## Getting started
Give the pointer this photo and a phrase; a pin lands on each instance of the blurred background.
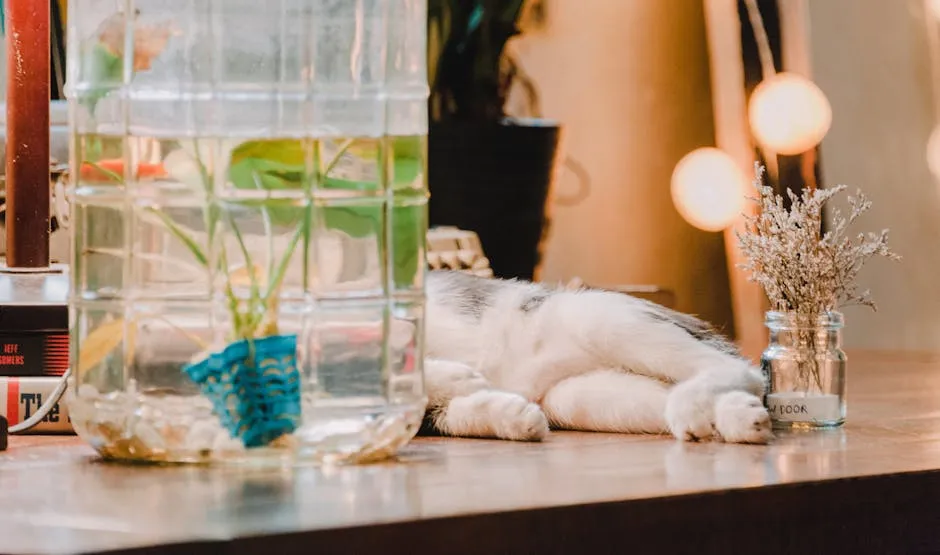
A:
(639, 84)
(613, 98)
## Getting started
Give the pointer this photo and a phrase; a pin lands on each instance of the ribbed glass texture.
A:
(247, 174)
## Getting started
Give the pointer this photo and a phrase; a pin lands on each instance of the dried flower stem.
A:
(801, 269)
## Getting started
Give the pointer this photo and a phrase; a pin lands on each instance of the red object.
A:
(27, 158)
(56, 359)
(13, 400)
(111, 170)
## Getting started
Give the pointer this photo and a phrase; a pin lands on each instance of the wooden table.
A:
(872, 487)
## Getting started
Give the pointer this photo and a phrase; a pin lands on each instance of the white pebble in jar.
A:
(202, 435)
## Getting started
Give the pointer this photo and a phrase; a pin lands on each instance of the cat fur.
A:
(511, 359)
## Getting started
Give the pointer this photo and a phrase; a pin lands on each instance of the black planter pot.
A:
(495, 180)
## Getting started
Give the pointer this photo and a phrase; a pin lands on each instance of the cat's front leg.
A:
(461, 402)
(705, 408)
(445, 380)
(721, 401)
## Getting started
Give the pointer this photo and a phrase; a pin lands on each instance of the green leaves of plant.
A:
(281, 164)
(466, 43)
(101, 67)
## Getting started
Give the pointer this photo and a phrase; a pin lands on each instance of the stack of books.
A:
(34, 349)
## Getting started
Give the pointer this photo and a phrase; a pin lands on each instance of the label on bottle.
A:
(802, 407)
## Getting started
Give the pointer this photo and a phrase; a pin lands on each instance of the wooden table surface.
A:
(871, 487)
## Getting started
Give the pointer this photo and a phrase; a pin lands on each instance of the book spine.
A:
(20, 398)
(34, 354)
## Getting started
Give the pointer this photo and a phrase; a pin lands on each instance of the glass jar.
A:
(248, 209)
(805, 367)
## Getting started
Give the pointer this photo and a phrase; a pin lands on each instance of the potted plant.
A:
(488, 172)
(808, 271)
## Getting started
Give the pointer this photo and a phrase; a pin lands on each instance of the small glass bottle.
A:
(805, 367)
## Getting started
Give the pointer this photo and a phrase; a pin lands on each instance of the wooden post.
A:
(733, 136)
(27, 155)
(797, 58)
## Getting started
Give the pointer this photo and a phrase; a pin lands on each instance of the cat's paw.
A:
(741, 418)
(494, 414)
(515, 418)
(464, 382)
(690, 411)
(445, 380)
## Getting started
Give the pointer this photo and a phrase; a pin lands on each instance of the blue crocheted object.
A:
(254, 388)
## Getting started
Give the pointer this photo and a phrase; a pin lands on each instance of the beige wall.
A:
(630, 81)
(871, 59)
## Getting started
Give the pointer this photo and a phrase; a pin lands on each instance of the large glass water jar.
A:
(248, 210)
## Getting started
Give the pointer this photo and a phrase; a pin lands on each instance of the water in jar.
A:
(243, 171)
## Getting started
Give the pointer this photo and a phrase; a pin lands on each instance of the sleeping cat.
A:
(508, 359)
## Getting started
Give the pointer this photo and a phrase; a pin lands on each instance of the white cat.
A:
(507, 359)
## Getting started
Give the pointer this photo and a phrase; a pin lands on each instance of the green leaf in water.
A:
(284, 152)
(267, 175)
(409, 211)
(279, 165)
(409, 229)
(101, 67)
(183, 236)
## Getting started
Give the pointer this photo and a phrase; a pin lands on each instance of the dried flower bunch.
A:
(801, 269)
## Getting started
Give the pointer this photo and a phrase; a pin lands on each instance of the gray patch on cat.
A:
(533, 301)
(467, 294)
(698, 329)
